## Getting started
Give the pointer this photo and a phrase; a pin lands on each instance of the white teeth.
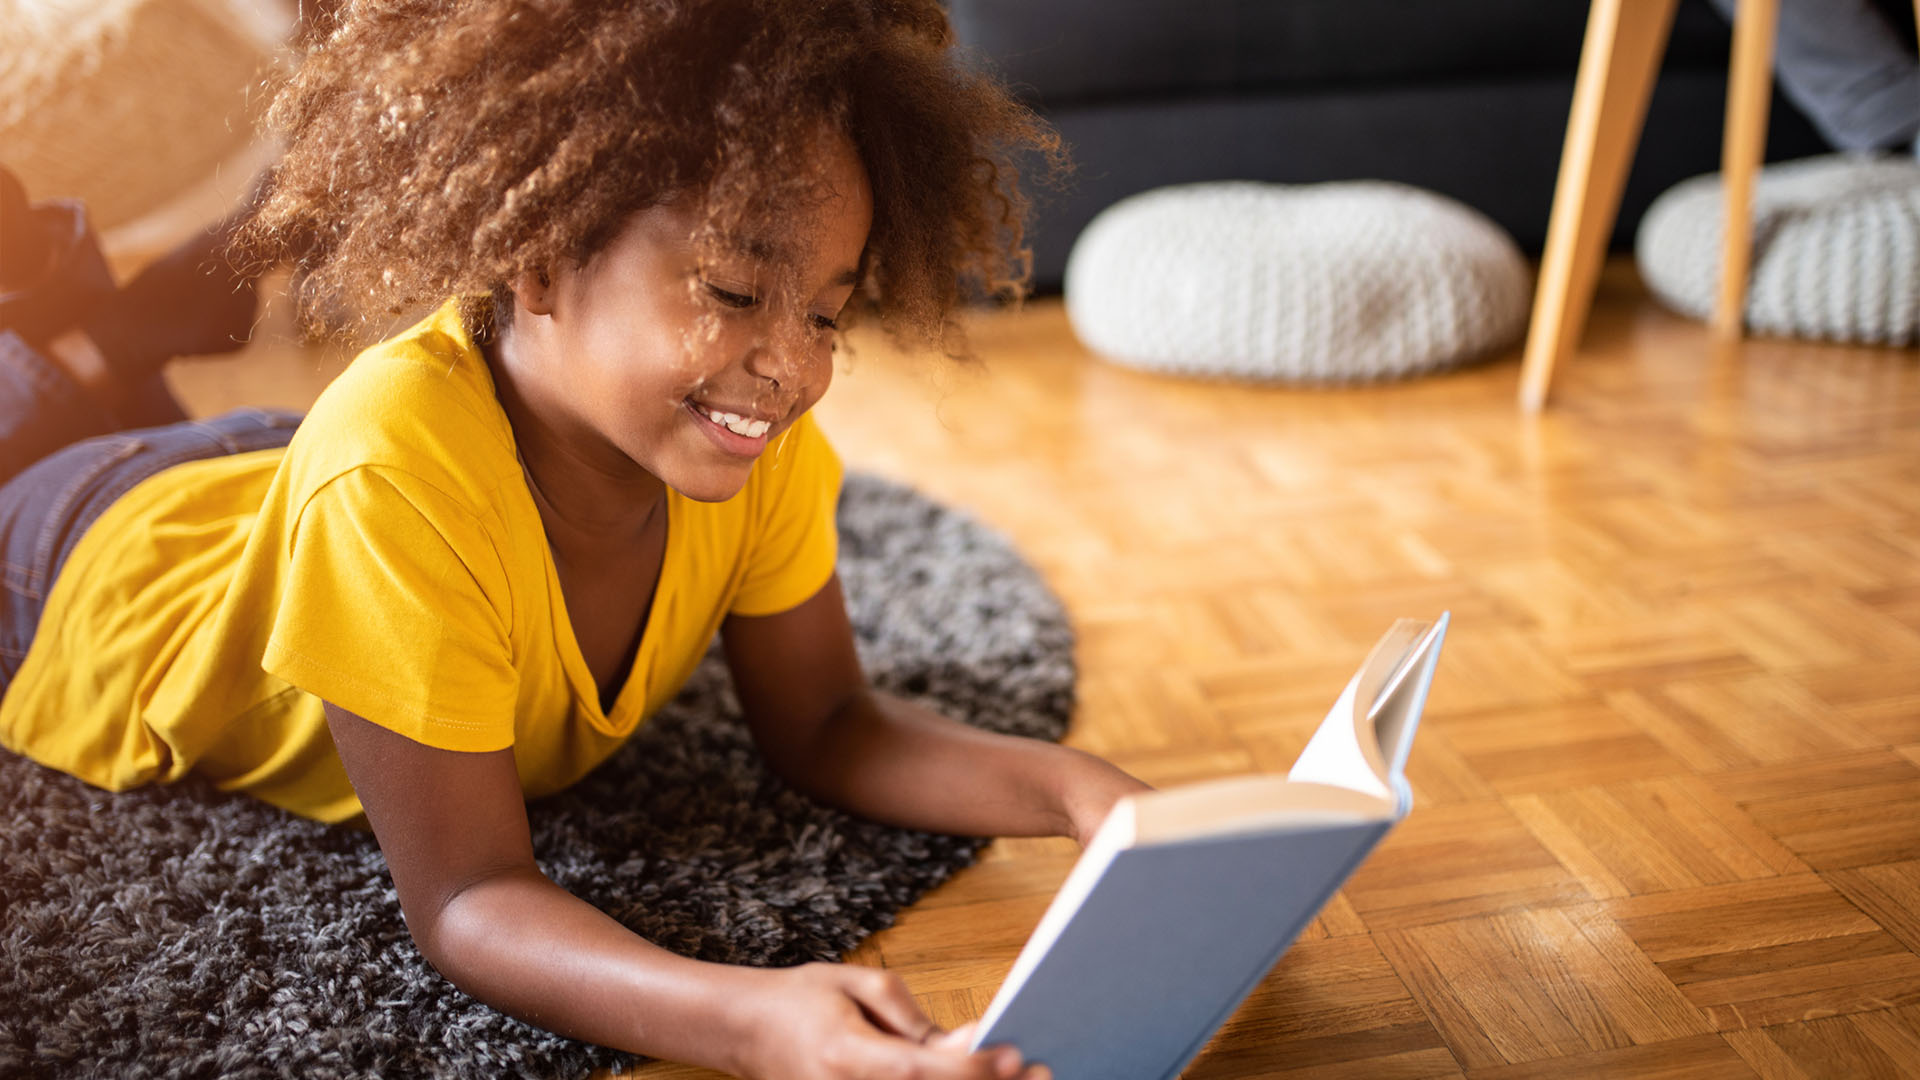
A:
(739, 425)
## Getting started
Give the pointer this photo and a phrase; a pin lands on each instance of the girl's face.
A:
(692, 370)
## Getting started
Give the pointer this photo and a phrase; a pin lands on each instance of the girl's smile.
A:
(741, 432)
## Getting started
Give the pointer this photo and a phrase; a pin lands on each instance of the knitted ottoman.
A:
(1836, 249)
(1321, 282)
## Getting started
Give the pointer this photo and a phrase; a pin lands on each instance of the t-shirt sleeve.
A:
(395, 607)
(795, 542)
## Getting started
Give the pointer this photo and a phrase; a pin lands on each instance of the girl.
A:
(504, 537)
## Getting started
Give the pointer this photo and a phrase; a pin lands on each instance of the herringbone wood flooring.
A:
(1667, 816)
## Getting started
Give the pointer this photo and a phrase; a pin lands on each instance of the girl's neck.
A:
(587, 491)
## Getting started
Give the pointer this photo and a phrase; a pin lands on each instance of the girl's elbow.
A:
(454, 928)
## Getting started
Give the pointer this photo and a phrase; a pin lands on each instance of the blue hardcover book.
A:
(1187, 897)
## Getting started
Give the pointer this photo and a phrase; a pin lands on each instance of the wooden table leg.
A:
(1749, 93)
(1624, 44)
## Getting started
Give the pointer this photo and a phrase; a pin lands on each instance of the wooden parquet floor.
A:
(1667, 817)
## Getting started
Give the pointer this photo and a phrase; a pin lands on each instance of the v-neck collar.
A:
(631, 699)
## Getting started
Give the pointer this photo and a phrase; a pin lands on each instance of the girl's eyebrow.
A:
(764, 249)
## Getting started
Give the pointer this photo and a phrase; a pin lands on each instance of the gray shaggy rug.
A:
(177, 932)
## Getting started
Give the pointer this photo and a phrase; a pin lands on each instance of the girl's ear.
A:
(532, 292)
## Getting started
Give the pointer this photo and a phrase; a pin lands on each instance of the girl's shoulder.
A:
(419, 404)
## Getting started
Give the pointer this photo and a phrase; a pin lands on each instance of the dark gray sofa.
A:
(1465, 97)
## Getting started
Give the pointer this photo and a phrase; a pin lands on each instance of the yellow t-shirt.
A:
(391, 561)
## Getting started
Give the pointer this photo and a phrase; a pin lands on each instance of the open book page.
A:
(1337, 753)
(1363, 742)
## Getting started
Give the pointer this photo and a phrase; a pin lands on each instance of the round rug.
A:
(1337, 282)
(178, 932)
(1836, 249)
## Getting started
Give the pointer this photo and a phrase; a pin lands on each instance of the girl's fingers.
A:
(1007, 1061)
(888, 1004)
(888, 1056)
(936, 1054)
(957, 1040)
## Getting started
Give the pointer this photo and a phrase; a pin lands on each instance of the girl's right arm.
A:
(453, 828)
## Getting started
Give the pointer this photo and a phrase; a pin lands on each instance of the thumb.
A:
(956, 1041)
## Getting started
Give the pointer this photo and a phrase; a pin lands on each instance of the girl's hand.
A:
(845, 1022)
(1088, 794)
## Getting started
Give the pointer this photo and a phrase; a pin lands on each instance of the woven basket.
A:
(128, 103)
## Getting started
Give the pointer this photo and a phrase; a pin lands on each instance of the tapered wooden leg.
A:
(1749, 92)
(1618, 63)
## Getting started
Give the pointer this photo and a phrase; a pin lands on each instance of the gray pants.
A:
(1844, 65)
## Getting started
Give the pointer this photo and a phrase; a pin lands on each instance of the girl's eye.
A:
(729, 297)
(744, 300)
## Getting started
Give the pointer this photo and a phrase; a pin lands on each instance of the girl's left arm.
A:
(834, 738)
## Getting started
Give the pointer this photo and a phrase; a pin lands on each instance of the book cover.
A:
(1188, 896)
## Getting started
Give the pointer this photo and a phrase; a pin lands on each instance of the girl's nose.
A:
(785, 360)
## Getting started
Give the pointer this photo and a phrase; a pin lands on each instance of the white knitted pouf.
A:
(1324, 282)
(1836, 249)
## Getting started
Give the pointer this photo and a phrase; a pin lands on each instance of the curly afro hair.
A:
(443, 148)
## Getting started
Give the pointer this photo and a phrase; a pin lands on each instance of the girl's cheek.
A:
(819, 373)
(702, 350)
